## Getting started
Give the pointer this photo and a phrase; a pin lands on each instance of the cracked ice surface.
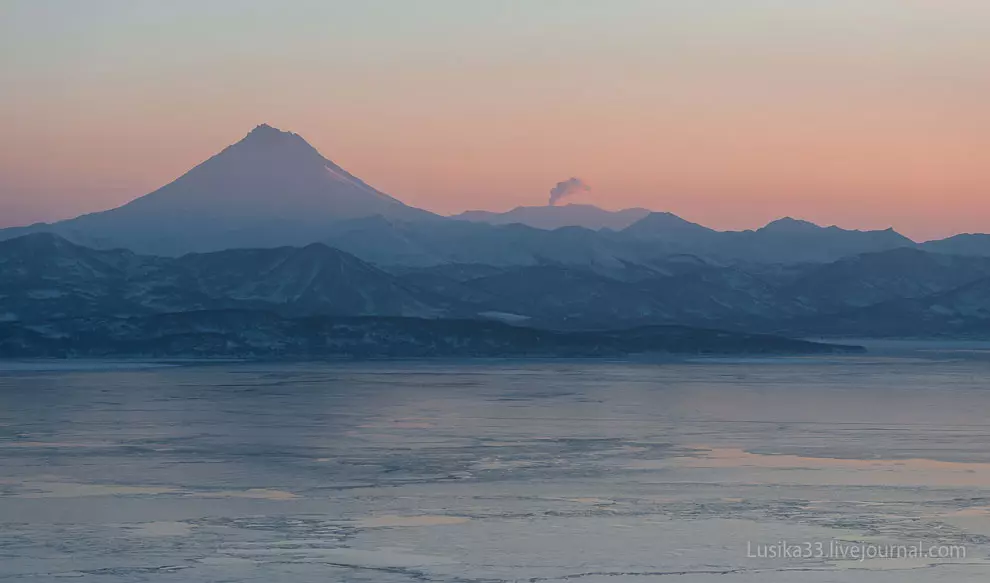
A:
(491, 471)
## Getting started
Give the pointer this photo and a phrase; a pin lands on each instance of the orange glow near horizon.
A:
(865, 117)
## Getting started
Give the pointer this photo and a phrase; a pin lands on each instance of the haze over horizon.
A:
(728, 114)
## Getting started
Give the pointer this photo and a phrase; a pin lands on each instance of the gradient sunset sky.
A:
(861, 113)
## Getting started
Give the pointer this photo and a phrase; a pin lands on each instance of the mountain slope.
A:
(662, 226)
(555, 217)
(966, 244)
(963, 312)
(785, 240)
(45, 277)
(874, 278)
(315, 279)
(270, 189)
(568, 297)
(791, 240)
(273, 189)
(390, 243)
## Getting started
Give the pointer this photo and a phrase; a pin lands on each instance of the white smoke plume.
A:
(566, 188)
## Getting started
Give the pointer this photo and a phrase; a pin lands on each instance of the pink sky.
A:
(866, 117)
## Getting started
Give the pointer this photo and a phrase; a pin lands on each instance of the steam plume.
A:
(567, 188)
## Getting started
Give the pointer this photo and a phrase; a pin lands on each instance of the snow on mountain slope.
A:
(271, 188)
(555, 217)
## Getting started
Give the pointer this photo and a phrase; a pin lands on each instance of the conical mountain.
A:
(271, 188)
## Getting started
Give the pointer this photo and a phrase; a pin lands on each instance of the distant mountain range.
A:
(273, 189)
(47, 279)
(269, 189)
(60, 299)
(785, 240)
(269, 226)
(555, 217)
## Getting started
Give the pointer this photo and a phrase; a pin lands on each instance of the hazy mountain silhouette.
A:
(47, 278)
(964, 244)
(874, 278)
(963, 312)
(555, 217)
(391, 243)
(790, 239)
(269, 189)
(61, 299)
(270, 233)
(668, 227)
(785, 240)
(272, 189)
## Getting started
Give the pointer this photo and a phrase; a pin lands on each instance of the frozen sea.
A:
(497, 471)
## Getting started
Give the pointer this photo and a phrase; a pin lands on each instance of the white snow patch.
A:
(505, 316)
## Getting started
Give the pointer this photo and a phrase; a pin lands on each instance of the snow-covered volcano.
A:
(271, 188)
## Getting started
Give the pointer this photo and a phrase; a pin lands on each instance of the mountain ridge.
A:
(558, 216)
(271, 186)
(273, 189)
(47, 278)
